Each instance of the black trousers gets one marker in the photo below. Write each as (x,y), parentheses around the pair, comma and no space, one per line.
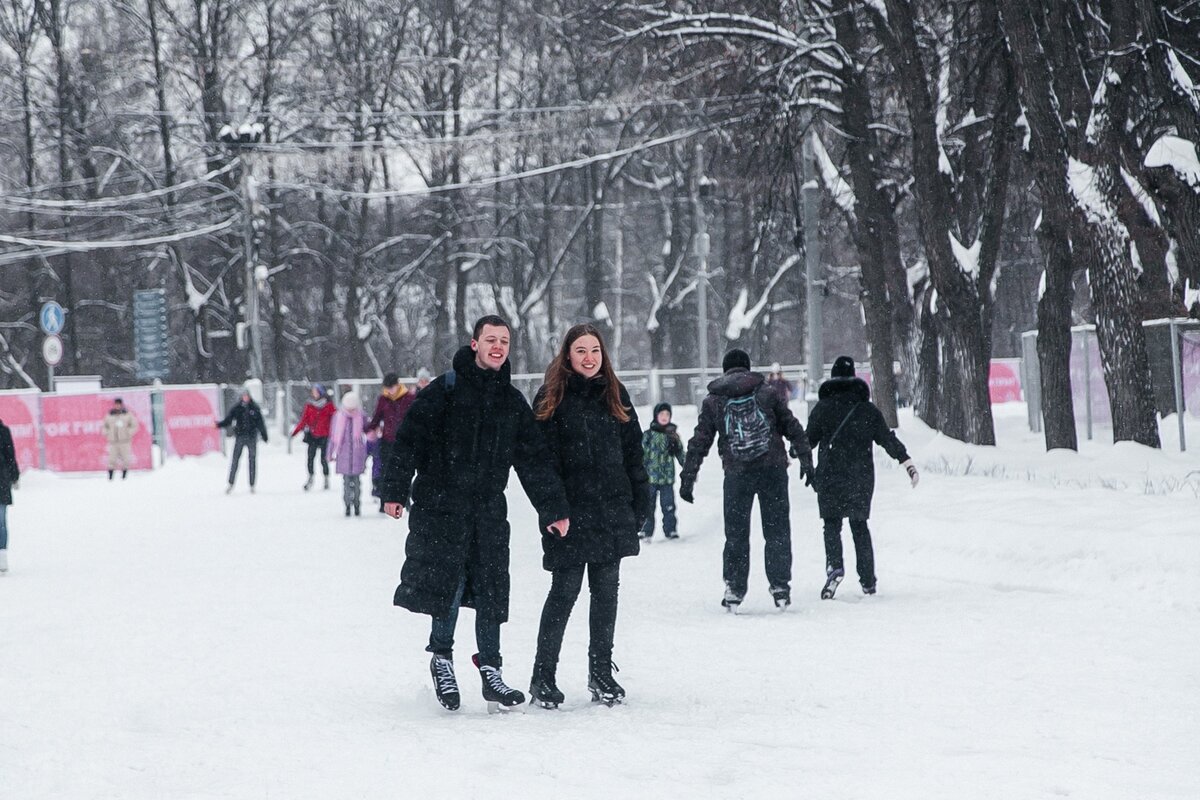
(603,582)
(250,445)
(863,551)
(385,455)
(770,485)
(316,446)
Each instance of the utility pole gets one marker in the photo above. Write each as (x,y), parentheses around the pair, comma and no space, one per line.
(814,279)
(701,246)
(243,141)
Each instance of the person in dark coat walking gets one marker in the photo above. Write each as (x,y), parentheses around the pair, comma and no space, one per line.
(390,409)
(752,421)
(246,421)
(10,474)
(315,421)
(842,426)
(596,441)
(662,447)
(462,436)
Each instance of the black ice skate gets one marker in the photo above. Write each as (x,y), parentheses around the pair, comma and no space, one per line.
(833,578)
(496,692)
(868,588)
(782,596)
(444,683)
(671,535)
(543,690)
(603,685)
(732,599)
(308,483)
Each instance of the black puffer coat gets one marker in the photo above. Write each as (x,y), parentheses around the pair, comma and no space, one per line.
(247,421)
(600,461)
(739,382)
(845,478)
(462,443)
(9,472)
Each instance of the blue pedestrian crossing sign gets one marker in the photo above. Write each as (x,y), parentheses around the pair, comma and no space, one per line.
(52,318)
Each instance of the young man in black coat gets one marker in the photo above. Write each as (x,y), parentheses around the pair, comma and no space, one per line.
(843,425)
(10,473)
(461,438)
(248,426)
(752,421)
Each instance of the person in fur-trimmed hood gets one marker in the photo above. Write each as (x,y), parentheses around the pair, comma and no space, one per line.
(842,426)
(662,448)
(751,420)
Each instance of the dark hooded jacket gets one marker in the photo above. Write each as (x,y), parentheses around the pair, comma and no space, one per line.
(247,421)
(10,473)
(461,443)
(845,479)
(739,382)
(600,461)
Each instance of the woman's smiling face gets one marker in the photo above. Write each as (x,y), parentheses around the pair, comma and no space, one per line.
(586,359)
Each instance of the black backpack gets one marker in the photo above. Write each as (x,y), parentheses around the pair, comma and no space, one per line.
(747,431)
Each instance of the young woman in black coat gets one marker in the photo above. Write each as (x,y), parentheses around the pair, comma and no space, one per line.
(596,442)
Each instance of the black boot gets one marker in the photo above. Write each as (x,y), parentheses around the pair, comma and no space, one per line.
(603,685)
(124,473)
(445,685)
(347,511)
(543,690)
(496,692)
(110,474)
(357,510)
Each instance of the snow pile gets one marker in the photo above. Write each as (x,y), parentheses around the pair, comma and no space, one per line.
(842,194)
(967,257)
(1177,153)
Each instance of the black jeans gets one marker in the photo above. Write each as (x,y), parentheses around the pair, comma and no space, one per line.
(604,580)
(487,631)
(316,445)
(664,495)
(250,445)
(771,486)
(863,550)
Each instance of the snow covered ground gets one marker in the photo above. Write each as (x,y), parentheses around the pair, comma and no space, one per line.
(1034,637)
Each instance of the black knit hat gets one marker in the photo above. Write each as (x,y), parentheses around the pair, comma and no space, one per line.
(843,367)
(735,358)
(662,407)
(391,379)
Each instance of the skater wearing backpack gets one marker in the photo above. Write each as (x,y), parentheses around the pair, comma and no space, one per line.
(662,447)
(751,421)
(348,450)
(843,425)
(462,436)
(314,421)
(596,441)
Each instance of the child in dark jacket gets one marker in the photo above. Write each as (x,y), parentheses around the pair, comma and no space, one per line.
(662,448)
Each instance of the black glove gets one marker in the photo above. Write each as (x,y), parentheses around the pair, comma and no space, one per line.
(685,492)
(792,452)
(807,472)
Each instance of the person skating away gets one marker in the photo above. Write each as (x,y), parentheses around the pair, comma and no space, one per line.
(390,409)
(423,378)
(10,475)
(751,422)
(662,447)
(842,426)
(461,438)
(246,421)
(596,442)
(348,450)
(779,383)
(315,421)
(119,428)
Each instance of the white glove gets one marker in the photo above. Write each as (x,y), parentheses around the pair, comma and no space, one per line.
(912,472)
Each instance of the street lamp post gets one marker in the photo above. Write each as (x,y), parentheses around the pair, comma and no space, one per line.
(242,140)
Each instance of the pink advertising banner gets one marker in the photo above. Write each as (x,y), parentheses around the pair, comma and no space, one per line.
(74,437)
(1087,371)
(1004,380)
(19,411)
(190,416)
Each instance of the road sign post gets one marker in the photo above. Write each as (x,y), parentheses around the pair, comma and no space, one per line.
(52,353)
(150,345)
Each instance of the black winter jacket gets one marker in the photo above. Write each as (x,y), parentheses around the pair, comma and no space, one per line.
(9,471)
(845,480)
(247,421)
(600,461)
(739,382)
(461,443)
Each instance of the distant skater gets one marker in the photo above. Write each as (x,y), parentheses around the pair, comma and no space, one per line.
(119,429)
(842,426)
(662,448)
(10,474)
(246,421)
(348,450)
(314,421)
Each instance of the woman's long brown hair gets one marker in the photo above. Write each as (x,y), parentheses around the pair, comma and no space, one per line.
(560,371)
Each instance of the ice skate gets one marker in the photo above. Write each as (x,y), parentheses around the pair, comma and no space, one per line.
(445,686)
(229,489)
(671,535)
(308,483)
(604,686)
(543,691)
(326,482)
(868,588)
(782,596)
(732,599)
(3,561)
(499,695)
(834,577)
